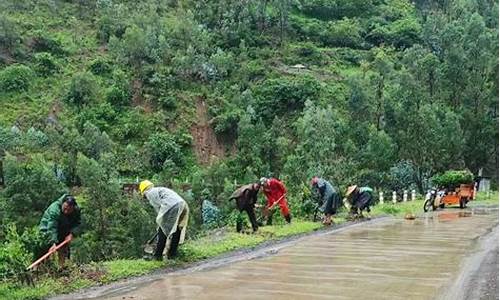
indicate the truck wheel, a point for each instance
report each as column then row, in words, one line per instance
column 441, row 205
column 428, row 205
column 463, row 203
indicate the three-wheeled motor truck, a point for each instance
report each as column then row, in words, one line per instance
column 459, row 195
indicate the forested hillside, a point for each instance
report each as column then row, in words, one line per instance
column 203, row 96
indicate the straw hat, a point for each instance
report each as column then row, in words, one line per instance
column 350, row 189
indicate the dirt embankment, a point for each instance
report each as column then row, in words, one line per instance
column 206, row 145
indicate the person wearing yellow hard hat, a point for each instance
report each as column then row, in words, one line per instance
column 172, row 217
column 360, row 198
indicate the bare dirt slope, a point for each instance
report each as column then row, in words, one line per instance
column 206, row 145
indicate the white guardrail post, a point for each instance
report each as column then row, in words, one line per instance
column 394, row 199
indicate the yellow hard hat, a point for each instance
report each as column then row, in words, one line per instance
column 350, row 190
column 144, row 185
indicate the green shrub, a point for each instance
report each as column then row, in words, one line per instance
column 337, row 9
column 9, row 34
column 118, row 96
column 453, row 178
column 41, row 42
column 29, row 183
column 402, row 176
column 9, row 139
column 227, row 123
column 162, row 147
column 102, row 115
column 16, row 78
column 82, row 90
column 14, row 258
column 96, row 142
column 108, row 26
column 310, row 53
column 35, row 140
column 343, row 33
column 101, row 191
column 100, row 67
column 136, row 125
column 401, row 33
column 285, row 95
column 45, row 63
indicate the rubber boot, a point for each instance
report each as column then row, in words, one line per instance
column 162, row 240
column 174, row 244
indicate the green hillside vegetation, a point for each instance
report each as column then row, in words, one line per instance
column 203, row 96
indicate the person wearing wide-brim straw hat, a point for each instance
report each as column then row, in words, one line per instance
column 350, row 189
column 360, row 198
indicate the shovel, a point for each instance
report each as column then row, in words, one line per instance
column 148, row 247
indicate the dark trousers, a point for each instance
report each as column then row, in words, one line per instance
column 162, row 241
column 43, row 247
column 333, row 204
column 288, row 218
column 251, row 216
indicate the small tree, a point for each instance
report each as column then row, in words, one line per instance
column 82, row 90
column 96, row 142
column 322, row 149
column 16, row 78
column 101, row 191
column 45, row 63
column 162, row 147
column 31, row 183
column 9, row 34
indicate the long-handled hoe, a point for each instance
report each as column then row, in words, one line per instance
column 27, row 276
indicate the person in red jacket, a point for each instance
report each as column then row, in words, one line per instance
column 275, row 192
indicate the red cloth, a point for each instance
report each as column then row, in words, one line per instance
column 273, row 191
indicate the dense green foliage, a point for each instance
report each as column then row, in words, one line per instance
column 203, row 96
column 453, row 178
column 15, row 78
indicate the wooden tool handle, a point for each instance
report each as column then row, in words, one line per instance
column 38, row 261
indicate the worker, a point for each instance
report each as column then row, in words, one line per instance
column 59, row 223
column 246, row 198
column 275, row 192
column 329, row 198
column 172, row 217
column 360, row 198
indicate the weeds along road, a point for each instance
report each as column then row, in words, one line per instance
column 438, row 256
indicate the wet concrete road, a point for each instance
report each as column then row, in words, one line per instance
column 424, row 258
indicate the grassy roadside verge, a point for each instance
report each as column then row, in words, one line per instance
column 214, row 244
column 486, row 199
